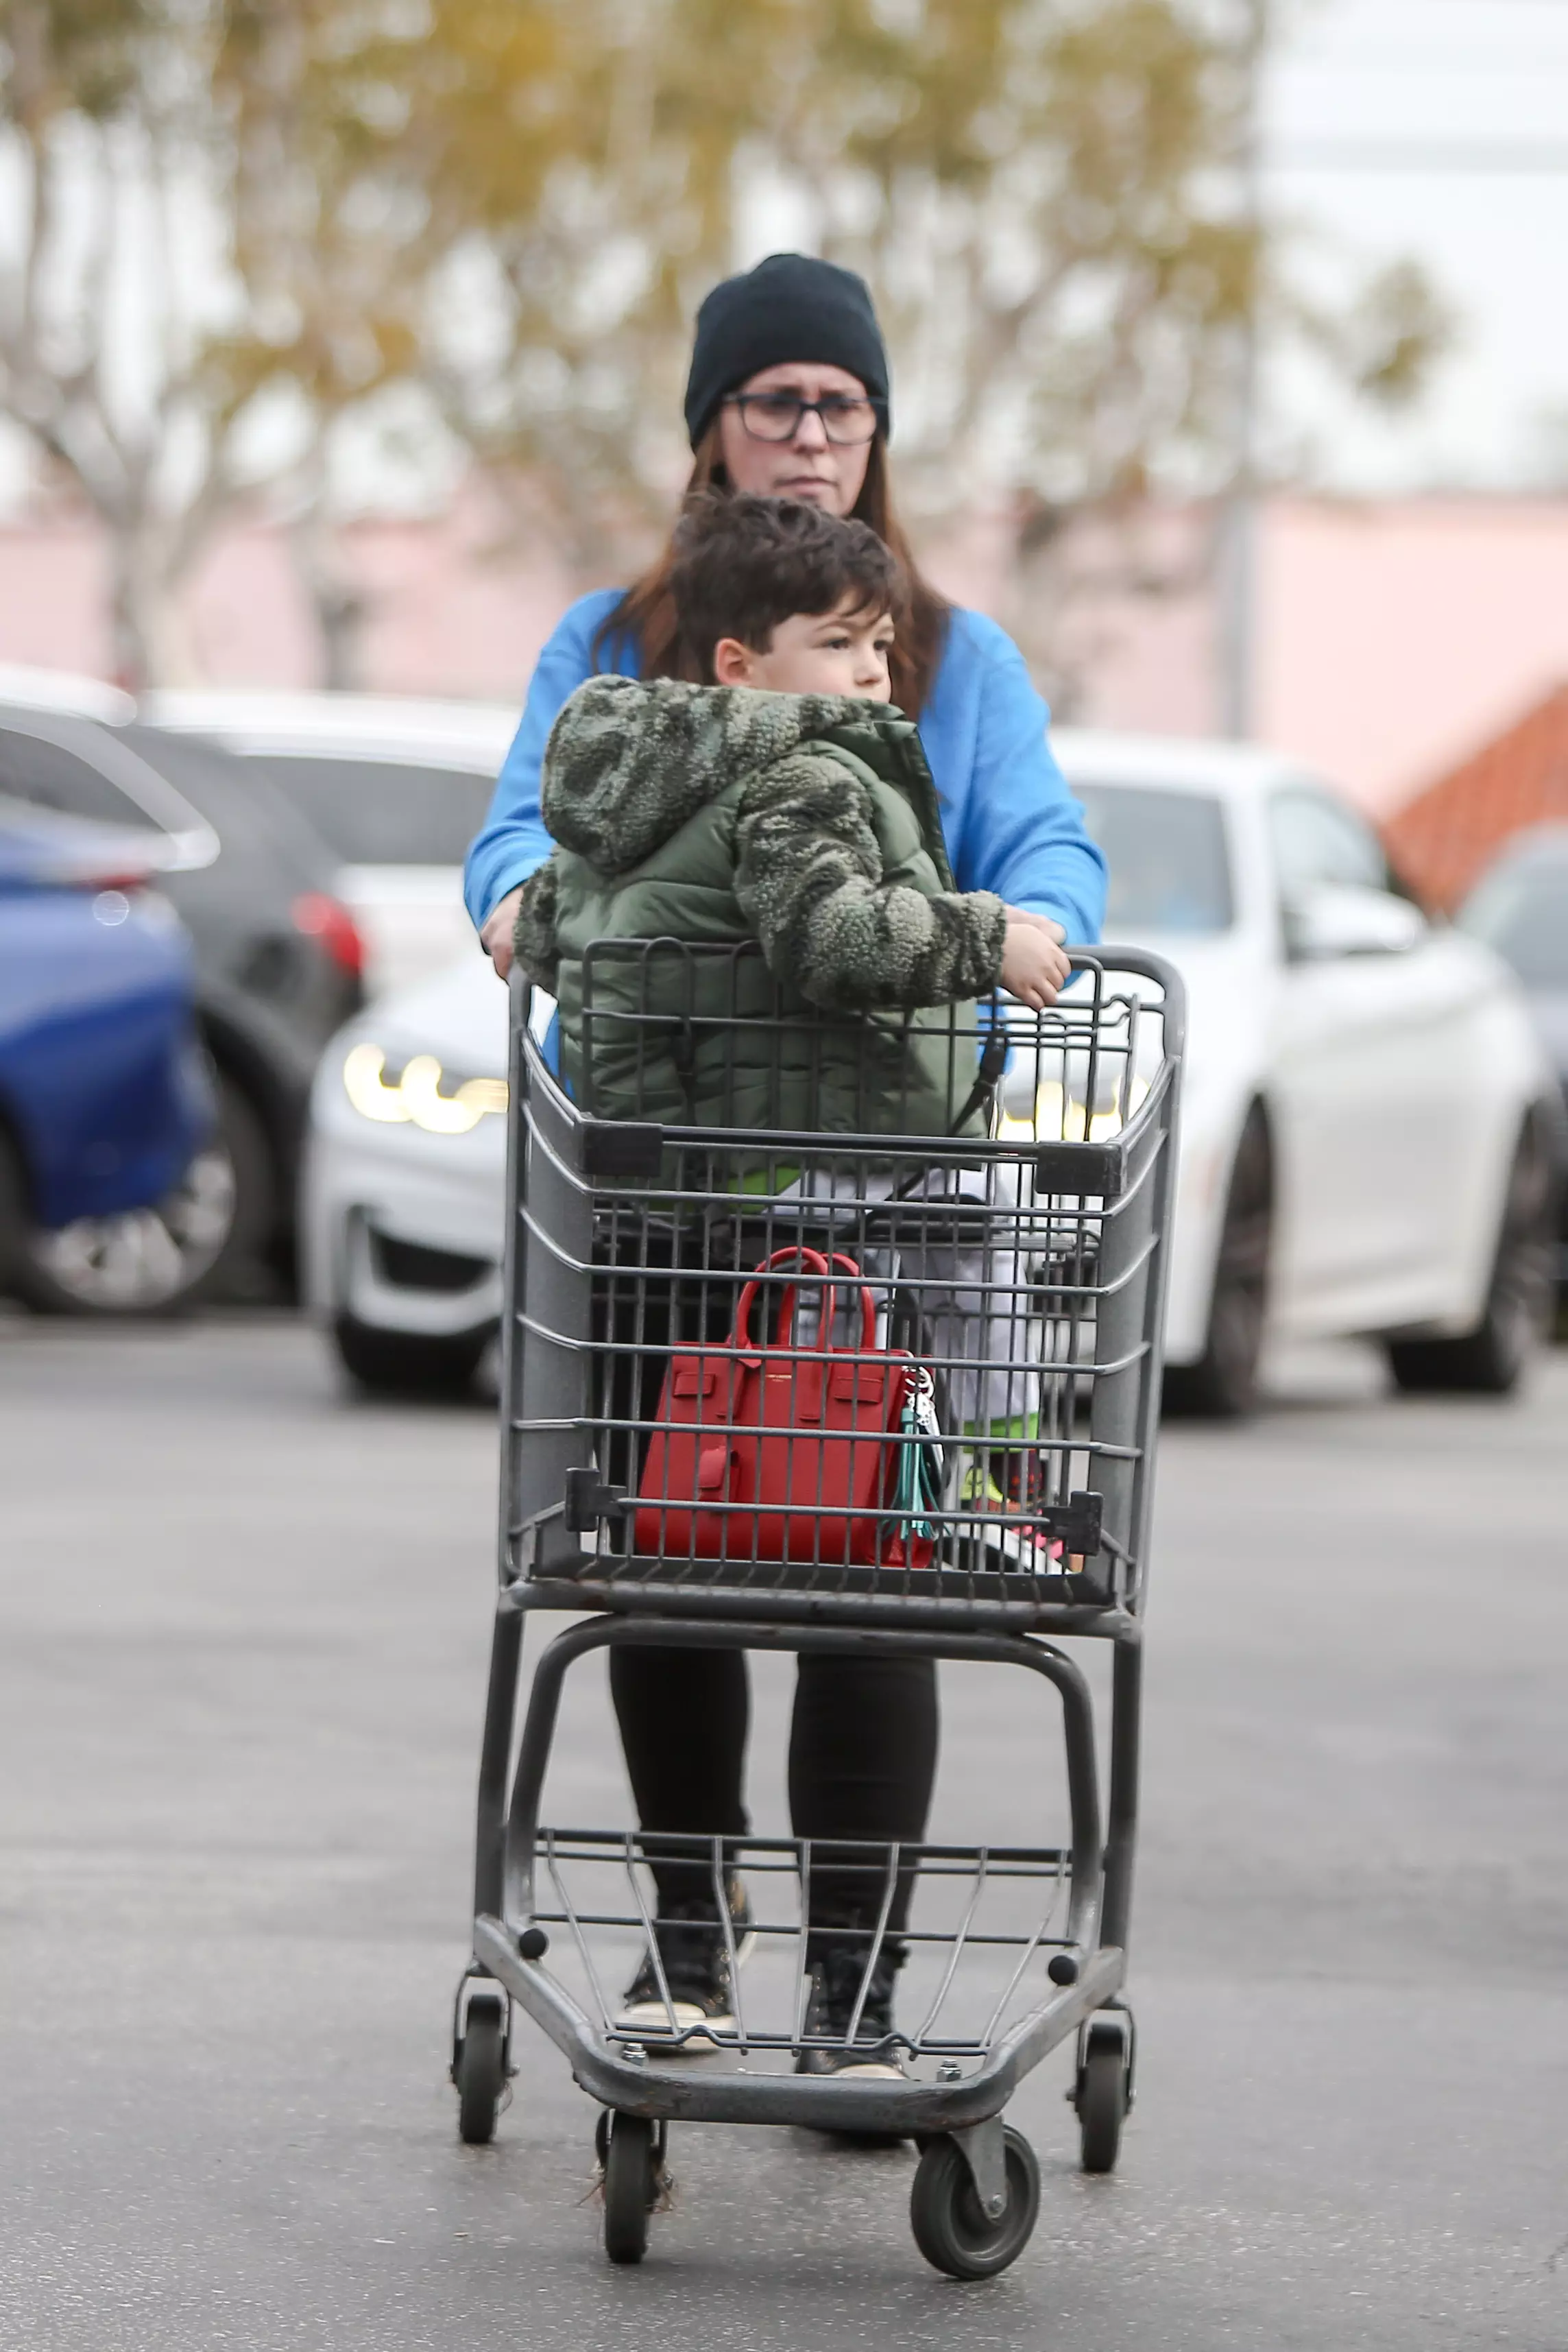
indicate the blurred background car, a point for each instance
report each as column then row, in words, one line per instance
column 278, row 957
column 1371, row 1142
column 1372, row 1139
column 1520, row 908
column 402, row 1198
column 113, row 1184
column 396, row 788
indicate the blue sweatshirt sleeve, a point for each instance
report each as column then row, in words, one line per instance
column 1024, row 834
column 513, row 840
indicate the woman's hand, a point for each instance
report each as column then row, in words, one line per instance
column 1035, row 966
column 496, row 931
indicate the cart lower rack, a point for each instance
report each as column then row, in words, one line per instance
column 828, row 1390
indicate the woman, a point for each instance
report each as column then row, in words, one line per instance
column 789, row 397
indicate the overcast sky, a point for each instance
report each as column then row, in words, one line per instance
column 1385, row 121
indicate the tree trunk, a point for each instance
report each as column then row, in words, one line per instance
column 150, row 638
column 340, row 612
column 338, row 603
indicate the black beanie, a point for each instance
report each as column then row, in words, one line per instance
column 790, row 307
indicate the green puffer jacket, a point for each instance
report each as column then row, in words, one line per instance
column 708, row 818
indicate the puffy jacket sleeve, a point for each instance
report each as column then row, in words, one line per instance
column 534, row 935
column 809, row 878
column 513, row 840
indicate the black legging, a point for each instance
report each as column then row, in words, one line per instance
column 863, row 1759
column 863, row 1744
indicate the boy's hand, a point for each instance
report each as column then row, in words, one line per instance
column 1035, row 967
column 495, row 932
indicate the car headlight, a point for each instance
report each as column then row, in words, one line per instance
column 415, row 1096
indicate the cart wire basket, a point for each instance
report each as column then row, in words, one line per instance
column 827, row 1333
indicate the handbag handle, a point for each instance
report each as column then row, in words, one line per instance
column 812, row 1261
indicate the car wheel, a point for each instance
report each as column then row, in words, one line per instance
column 239, row 1269
column 159, row 1259
column 407, row 1363
column 12, row 1217
column 1489, row 1360
column 1223, row 1384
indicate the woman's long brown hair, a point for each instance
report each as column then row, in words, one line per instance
column 646, row 614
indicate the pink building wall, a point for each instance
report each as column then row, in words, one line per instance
column 1392, row 637
column 1397, row 637
column 458, row 605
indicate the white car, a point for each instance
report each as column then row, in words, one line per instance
column 401, row 1206
column 395, row 787
column 1370, row 1138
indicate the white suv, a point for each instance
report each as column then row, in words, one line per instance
column 1371, row 1138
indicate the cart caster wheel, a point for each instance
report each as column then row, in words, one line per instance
column 1104, row 2091
column 951, row 2228
column 480, row 2072
column 632, row 2154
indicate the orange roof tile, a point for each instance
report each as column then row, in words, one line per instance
column 1441, row 840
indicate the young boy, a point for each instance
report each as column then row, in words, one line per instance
column 776, row 803
column 785, row 803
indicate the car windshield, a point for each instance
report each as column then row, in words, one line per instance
column 1170, row 865
column 1523, row 912
column 385, row 811
column 44, row 773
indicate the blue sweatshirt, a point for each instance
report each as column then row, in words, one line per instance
column 1011, row 824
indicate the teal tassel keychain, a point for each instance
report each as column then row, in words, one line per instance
column 922, row 1461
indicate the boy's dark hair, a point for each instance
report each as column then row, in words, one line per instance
column 742, row 564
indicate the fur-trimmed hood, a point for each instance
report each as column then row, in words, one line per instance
column 808, row 822
column 630, row 760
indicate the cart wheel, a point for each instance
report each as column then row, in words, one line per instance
column 481, row 2069
column 950, row 2227
column 630, row 2153
column 1101, row 2092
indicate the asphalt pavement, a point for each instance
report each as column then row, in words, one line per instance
column 243, row 1622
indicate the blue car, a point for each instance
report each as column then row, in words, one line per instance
column 108, row 1176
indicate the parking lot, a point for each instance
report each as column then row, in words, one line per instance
column 241, row 1671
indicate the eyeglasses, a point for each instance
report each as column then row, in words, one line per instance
column 778, row 416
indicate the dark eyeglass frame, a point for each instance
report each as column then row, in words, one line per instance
column 830, row 408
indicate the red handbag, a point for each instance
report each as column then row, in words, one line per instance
column 813, row 1432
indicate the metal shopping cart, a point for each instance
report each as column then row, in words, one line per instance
column 761, row 1389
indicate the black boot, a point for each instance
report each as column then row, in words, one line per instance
column 837, row 1971
column 695, row 1958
